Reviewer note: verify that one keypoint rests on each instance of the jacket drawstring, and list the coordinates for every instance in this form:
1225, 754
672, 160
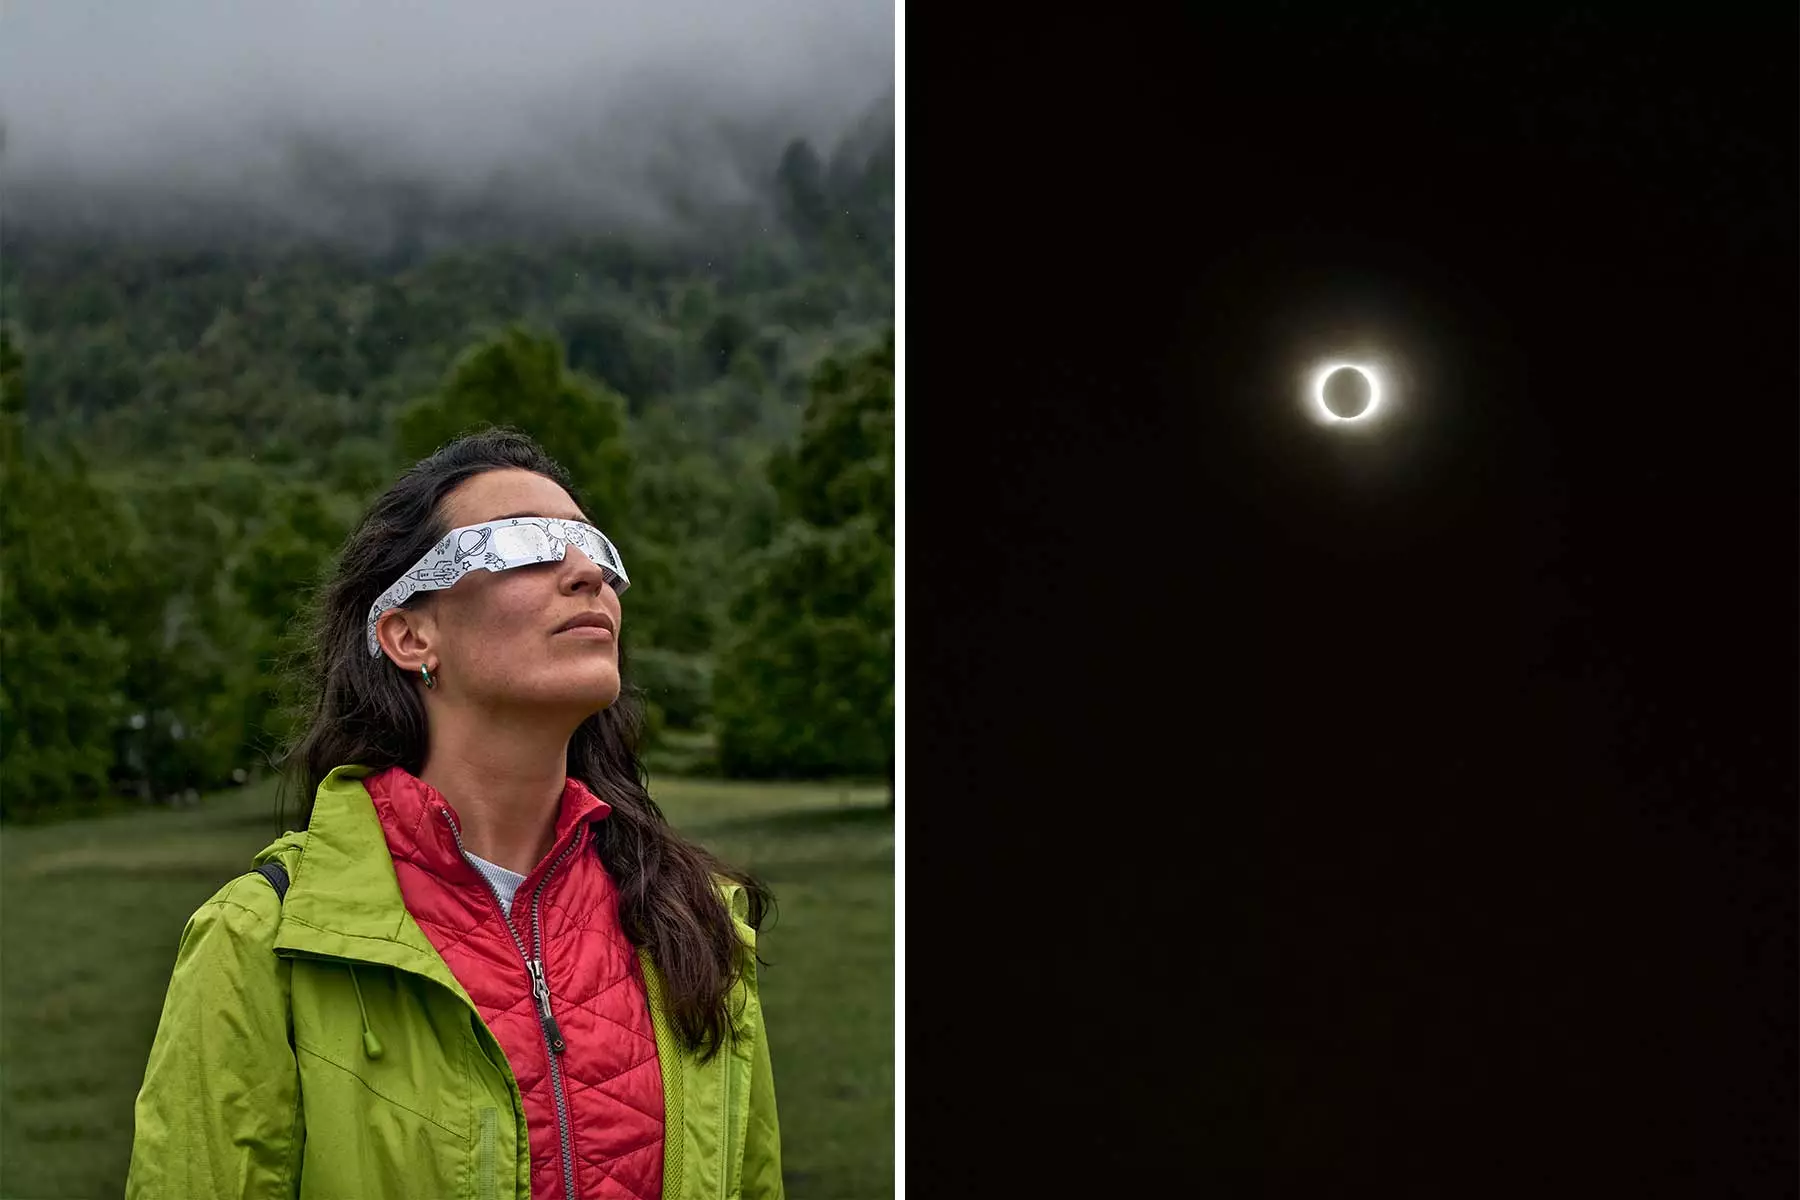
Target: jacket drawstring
371, 1043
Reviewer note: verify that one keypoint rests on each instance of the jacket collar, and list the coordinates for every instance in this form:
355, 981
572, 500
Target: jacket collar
421, 826
343, 897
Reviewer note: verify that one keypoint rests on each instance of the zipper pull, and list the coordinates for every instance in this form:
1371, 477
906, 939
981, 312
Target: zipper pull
540, 988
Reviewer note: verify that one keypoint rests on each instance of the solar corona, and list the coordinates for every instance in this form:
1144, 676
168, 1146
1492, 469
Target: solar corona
1325, 375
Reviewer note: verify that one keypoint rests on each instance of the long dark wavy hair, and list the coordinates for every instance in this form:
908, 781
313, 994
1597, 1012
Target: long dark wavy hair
362, 710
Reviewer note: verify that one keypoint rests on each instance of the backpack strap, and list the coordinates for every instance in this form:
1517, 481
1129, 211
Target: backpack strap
277, 876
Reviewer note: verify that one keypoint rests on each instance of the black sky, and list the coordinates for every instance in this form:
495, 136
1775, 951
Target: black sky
1411, 816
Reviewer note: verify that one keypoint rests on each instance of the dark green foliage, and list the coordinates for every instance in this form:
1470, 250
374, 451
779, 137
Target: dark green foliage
806, 687
63, 585
843, 467
611, 345
287, 545
231, 551
801, 177
236, 408
677, 687
519, 379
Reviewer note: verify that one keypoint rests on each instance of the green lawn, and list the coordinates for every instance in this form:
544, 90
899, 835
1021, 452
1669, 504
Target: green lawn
90, 912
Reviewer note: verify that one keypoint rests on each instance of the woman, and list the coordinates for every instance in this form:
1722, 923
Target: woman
495, 970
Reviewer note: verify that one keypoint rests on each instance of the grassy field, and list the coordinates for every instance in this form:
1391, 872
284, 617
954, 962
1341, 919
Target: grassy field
90, 912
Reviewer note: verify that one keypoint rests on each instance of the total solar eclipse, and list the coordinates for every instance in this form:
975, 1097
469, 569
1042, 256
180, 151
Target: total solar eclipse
1346, 392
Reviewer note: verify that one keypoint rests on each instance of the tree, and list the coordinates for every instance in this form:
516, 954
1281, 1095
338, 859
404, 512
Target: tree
520, 379
284, 556
197, 667
806, 686
237, 403
63, 576
800, 188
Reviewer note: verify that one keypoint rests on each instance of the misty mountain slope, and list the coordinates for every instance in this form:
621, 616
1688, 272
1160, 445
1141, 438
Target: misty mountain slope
245, 248
302, 115
289, 347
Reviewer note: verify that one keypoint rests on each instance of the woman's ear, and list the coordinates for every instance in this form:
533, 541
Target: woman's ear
405, 636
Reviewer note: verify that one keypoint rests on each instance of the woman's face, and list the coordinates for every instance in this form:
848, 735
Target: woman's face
498, 638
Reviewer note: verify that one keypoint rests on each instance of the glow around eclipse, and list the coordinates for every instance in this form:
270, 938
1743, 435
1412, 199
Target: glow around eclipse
1324, 375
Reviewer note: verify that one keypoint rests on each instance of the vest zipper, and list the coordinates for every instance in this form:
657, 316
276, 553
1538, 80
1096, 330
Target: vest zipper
552, 1035
540, 990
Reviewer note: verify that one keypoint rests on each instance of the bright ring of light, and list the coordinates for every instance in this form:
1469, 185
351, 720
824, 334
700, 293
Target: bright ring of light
1366, 373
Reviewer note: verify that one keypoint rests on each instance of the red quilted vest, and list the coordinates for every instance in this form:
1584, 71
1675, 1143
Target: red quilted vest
608, 1067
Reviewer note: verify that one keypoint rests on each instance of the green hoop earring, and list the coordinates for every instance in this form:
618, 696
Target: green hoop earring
426, 672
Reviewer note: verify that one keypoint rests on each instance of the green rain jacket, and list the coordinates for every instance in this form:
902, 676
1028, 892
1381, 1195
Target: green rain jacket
257, 1083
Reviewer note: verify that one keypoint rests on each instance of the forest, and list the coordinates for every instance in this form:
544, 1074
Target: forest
191, 426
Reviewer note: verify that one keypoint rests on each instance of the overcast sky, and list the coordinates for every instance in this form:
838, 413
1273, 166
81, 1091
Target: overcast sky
206, 96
